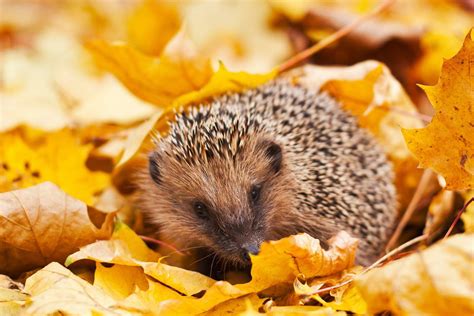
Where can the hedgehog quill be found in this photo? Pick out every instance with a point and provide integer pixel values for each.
(265, 164)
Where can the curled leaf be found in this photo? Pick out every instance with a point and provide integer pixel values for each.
(177, 71)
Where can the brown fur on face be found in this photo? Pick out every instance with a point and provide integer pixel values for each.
(235, 223)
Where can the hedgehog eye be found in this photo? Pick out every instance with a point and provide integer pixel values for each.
(255, 192)
(201, 210)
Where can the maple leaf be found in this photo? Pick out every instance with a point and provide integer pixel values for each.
(30, 157)
(42, 224)
(435, 281)
(446, 145)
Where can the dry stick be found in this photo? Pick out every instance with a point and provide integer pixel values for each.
(458, 216)
(375, 264)
(298, 58)
(425, 179)
(161, 243)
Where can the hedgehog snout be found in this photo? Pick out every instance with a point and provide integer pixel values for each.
(251, 248)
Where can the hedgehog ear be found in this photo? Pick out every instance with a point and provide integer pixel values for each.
(153, 167)
(274, 153)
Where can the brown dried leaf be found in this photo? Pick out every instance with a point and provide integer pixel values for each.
(42, 224)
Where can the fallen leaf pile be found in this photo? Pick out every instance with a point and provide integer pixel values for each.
(86, 85)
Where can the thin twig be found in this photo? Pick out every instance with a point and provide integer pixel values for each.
(161, 243)
(298, 58)
(420, 189)
(458, 216)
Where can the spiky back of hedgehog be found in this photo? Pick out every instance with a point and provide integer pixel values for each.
(264, 164)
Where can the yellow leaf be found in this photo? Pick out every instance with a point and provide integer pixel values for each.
(436, 281)
(136, 137)
(237, 305)
(293, 311)
(124, 247)
(177, 71)
(437, 45)
(58, 157)
(55, 289)
(224, 81)
(152, 24)
(351, 301)
(147, 300)
(41, 224)
(119, 281)
(283, 260)
(446, 145)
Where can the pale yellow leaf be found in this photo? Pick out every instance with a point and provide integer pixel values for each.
(435, 281)
(55, 289)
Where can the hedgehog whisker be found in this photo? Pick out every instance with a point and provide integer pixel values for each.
(184, 250)
(201, 259)
(212, 263)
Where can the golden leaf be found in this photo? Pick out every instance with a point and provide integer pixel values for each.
(435, 281)
(177, 71)
(124, 247)
(57, 157)
(119, 281)
(152, 24)
(350, 301)
(446, 145)
(42, 224)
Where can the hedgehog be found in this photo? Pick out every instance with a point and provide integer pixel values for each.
(267, 163)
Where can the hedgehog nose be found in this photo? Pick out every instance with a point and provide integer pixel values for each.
(251, 248)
